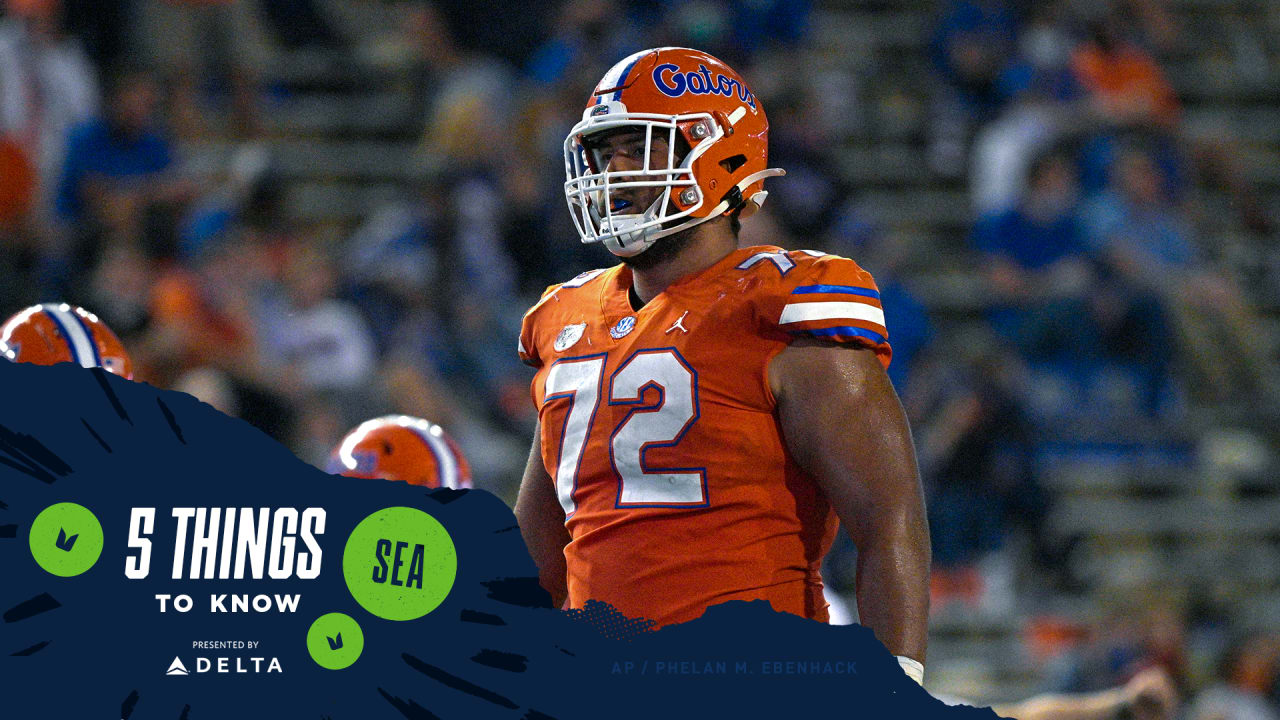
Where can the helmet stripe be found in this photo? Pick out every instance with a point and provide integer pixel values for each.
(622, 80)
(617, 75)
(444, 456)
(79, 342)
(88, 332)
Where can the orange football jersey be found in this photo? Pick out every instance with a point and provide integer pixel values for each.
(660, 433)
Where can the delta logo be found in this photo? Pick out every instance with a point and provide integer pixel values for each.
(226, 665)
(674, 83)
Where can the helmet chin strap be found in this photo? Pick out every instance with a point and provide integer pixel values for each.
(626, 242)
(628, 239)
(755, 201)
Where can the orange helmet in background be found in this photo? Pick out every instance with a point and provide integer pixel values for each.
(671, 93)
(57, 332)
(401, 448)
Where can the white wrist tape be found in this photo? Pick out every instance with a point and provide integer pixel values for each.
(913, 668)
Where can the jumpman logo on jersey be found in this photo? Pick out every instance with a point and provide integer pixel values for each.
(678, 324)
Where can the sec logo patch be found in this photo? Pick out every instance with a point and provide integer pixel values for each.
(623, 328)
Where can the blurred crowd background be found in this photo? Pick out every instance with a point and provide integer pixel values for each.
(310, 212)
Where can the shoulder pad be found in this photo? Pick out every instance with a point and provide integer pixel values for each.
(526, 348)
(824, 296)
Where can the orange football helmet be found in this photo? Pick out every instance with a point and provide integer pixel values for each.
(401, 447)
(669, 90)
(57, 332)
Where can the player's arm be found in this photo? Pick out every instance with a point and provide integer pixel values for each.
(1150, 695)
(542, 523)
(844, 425)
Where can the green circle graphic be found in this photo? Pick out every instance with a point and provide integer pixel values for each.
(335, 641)
(399, 563)
(66, 539)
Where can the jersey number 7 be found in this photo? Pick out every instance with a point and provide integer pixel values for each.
(580, 382)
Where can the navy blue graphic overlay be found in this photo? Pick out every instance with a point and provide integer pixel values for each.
(97, 645)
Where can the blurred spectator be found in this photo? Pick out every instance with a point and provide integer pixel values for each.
(1042, 110)
(972, 47)
(586, 34)
(119, 290)
(119, 167)
(192, 41)
(1049, 300)
(466, 128)
(974, 446)
(47, 86)
(391, 263)
(1005, 149)
(208, 316)
(21, 246)
(322, 341)
(1135, 223)
(410, 388)
(17, 188)
(1126, 94)
(1147, 243)
(757, 25)
(320, 424)
(1124, 83)
(1154, 19)
(1246, 678)
(250, 196)
(488, 182)
(813, 192)
(1037, 268)
(466, 134)
(265, 410)
(423, 46)
(1138, 633)
(211, 386)
(527, 231)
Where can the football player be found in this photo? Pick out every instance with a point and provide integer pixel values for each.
(401, 448)
(708, 415)
(57, 332)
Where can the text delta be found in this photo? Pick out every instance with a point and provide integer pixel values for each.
(238, 665)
